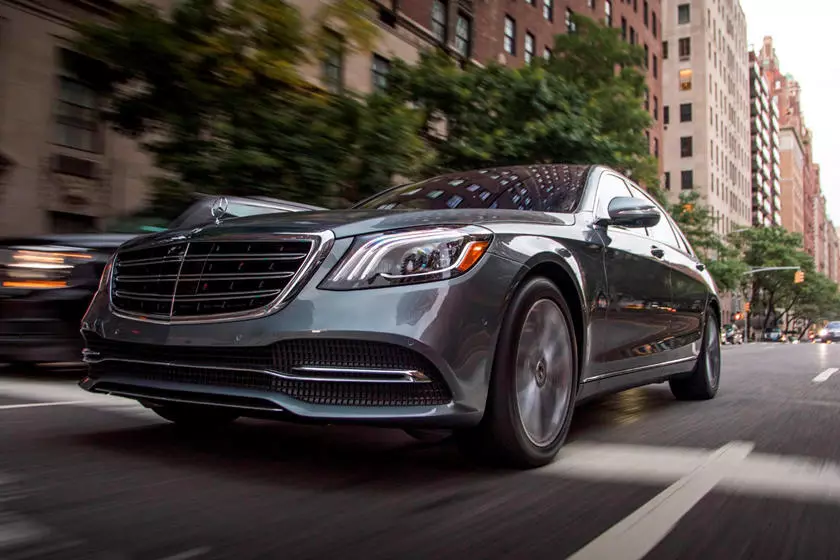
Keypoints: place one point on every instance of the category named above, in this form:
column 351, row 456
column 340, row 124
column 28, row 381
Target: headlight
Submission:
column 409, row 257
column 823, row 332
column 46, row 267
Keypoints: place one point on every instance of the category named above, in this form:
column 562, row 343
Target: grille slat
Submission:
column 201, row 278
column 183, row 364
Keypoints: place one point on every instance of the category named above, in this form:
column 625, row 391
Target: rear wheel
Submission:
column 195, row 416
column 534, row 381
column 702, row 383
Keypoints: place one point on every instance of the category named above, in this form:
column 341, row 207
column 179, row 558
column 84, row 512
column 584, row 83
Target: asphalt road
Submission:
column 754, row 473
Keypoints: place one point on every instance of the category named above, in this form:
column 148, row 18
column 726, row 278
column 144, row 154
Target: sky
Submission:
column 804, row 33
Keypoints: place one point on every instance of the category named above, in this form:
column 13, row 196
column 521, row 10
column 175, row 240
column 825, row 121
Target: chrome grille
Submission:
column 203, row 279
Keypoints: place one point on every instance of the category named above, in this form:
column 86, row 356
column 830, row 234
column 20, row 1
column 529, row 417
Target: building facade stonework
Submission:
column 707, row 99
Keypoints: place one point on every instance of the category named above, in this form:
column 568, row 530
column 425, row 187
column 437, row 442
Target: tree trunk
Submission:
column 770, row 310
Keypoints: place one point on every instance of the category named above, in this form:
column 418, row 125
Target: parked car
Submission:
column 487, row 302
column 47, row 282
column 775, row 335
column 732, row 335
column 830, row 333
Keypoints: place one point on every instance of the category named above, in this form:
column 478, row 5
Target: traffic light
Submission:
column 747, row 307
column 738, row 316
column 799, row 277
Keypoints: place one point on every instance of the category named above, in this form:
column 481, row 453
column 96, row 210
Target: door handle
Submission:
column 657, row 252
column 701, row 267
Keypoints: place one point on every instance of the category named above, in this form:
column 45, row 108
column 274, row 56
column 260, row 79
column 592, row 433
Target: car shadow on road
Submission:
column 335, row 457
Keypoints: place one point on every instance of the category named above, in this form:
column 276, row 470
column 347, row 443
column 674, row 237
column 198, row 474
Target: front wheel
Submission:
column 533, row 384
column 195, row 416
column 702, row 383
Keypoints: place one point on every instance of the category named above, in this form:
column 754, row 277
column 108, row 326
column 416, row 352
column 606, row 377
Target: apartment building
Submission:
column 61, row 169
column 707, row 107
column 514, row 32
column 766, row 169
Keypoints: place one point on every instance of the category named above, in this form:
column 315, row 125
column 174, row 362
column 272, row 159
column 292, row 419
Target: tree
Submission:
column 215, row 93
column 697, row 223
column 574, row 107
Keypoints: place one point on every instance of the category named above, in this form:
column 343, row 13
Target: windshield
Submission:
column 833, row 325
column 551, row 188
column 476, row 189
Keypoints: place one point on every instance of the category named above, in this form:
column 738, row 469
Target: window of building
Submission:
column 686, row 146
column 623, row 28
column 77, row 121
column 666, row 114
column 664, row 50
column 333, row 65
column 667, row 180
column 655, row 108
column 608, row 13
column 655, row 67
column 685, row 48
column 645, row 15
column 570, row 25
column 548, row 10
column 529, row 47
column 529, row 2
column 647, row 56
column 685, row 112
column 439, row 13
column 683, row 14
column 463, row 36
column 633, row 37
column 686, row 179
column 590, row 4
column 635, row 5
column 656, row 148
column 654, row 24
column 647, row 99
column 510, row 35
column 546, row 53
column 381, row 67
column 647, row 138
column 685, row 79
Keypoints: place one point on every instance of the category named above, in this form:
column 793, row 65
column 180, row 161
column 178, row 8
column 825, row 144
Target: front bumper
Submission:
column 41, row 326
column 446, row 329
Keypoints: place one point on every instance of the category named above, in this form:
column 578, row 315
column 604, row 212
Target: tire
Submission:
column 533, row 383
column 703, row 381
column 195, row 416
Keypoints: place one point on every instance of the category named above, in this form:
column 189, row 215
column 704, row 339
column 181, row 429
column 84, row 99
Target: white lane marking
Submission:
column 192, row 553
column 637, row 534
column 760, row 474
column 825, row 375
column 35, row 405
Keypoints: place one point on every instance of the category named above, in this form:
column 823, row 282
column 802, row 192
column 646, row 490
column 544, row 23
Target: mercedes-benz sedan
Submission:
column 486, row 302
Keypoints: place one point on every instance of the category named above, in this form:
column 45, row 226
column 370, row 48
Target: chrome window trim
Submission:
column 322, row 244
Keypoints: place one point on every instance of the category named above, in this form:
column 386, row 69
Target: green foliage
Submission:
column 773, row 292
column 215, row 93
column 573, row 108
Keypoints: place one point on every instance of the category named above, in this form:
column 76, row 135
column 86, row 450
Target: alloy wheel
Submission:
column 712, row 353
column 544, row 372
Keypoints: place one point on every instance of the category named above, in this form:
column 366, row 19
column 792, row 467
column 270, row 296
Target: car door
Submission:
column 639, row 293
column 688, row 286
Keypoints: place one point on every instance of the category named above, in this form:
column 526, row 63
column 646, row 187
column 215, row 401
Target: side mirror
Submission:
column 629, row 212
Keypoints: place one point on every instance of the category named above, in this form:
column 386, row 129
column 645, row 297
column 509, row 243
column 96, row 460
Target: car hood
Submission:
column 350, row 223
column 99, row 241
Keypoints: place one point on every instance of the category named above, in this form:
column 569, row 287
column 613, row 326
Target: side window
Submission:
column 683, row 241
column 661, row 232
column 609, row 187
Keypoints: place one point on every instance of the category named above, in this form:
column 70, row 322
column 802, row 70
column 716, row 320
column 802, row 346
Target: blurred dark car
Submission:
column 47, row 282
